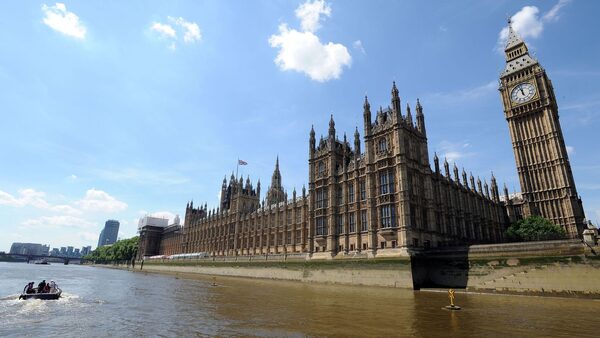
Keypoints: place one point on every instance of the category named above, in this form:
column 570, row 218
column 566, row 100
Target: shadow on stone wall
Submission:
column 441, row 269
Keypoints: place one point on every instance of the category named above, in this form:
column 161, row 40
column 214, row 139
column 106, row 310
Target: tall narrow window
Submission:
column 321, row 169
column 351, row 192
column 383, row 182
column 382, row 145
column 339, row 228
column 321, row 226
column 364, row 224
column 340, row 196
column 351, row 223
column 321, row 198
column 363, row 190
column 387, row 216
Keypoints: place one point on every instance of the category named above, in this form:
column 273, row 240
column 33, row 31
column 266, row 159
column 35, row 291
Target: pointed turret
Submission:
column 420, row 119
column 516, row 53
column 436, row 162
column 456, row 174
column 409, row 118
column 495, row 193
column 331, row 129
column 312, row 141
column 356, row 142
column 367, row 116
column 487, row 189
column 275, row 193
column 472, row 181
column 294, row 194
column 506, row 198
column 479, row 186
column 464, row 178
column 258, row 189
column 303, row 191
column 446, row 168
column 396, row 102
column 513, row 41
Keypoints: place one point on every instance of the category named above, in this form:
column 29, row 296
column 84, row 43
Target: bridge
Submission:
column 28, row 257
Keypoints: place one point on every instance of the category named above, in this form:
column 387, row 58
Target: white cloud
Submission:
column 164, row 214
column 454, row 151
column 191, row 29
column 467, row 94
column 358, row 45
column 528, row 24
column 303, row 52
column 164, row 30
column 36, row 199
column 310, row 13
column 56, row 222
column 141, row 176
column 61, row 20
column 553, row 13
column 100, row 201
column 570, row 150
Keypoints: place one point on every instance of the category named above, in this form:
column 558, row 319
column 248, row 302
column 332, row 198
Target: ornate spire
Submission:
column 331, row 128
column 396, row 100
column 436, row 162
column 420, row 119
column 456, row 173
column 513, row 38
column 446, row 168
column 356, row 142
column 367, row 116
column 472, row 181
column 464, row 177
column 487, row 189
column 409, row 115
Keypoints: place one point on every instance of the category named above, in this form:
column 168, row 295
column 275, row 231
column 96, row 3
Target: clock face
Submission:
column 523, row 92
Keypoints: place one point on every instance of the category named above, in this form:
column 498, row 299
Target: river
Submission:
column 109, row 302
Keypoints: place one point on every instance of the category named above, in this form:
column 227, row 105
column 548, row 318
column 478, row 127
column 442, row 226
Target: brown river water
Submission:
column 100, row 302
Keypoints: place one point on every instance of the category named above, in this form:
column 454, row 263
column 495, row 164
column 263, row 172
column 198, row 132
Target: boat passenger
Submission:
column 52, row 286
column 46, row 288
column 30, row 288
column 41, row 286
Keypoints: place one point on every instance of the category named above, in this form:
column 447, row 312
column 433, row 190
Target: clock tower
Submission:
column 530, row 107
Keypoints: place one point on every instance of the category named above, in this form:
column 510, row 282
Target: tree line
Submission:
column 122, row 250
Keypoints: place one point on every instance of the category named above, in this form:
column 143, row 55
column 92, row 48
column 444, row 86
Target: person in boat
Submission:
column 46, row 288
column 52, row 286
column 41, row 286
column 29, row 288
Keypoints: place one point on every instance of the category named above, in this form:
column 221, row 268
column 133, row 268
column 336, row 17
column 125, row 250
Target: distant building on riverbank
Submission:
column 29, row 249
column 109, row 233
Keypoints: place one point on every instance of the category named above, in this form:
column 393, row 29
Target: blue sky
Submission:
column 114, row 109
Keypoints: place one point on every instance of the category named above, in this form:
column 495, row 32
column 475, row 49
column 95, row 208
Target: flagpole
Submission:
column 236, row 169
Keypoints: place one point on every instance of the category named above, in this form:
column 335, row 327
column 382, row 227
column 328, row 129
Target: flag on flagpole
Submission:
column 242, row 162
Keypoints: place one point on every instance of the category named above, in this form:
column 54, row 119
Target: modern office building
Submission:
column 109, row 233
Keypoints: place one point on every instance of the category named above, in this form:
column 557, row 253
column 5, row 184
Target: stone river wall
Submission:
column 553, row 268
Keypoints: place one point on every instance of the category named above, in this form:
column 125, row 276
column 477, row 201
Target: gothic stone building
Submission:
column 388, row 200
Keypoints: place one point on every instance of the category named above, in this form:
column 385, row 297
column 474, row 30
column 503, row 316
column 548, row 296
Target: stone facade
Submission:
column 547, row 184
column 387, row 200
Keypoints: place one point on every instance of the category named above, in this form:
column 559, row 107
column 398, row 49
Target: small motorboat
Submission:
column 32, row 293
column 41, row 261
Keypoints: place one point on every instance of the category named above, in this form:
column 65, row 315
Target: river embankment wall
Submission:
column 552, row 268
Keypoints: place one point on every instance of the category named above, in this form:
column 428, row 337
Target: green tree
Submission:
column 535, row 228
column 123, row 250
